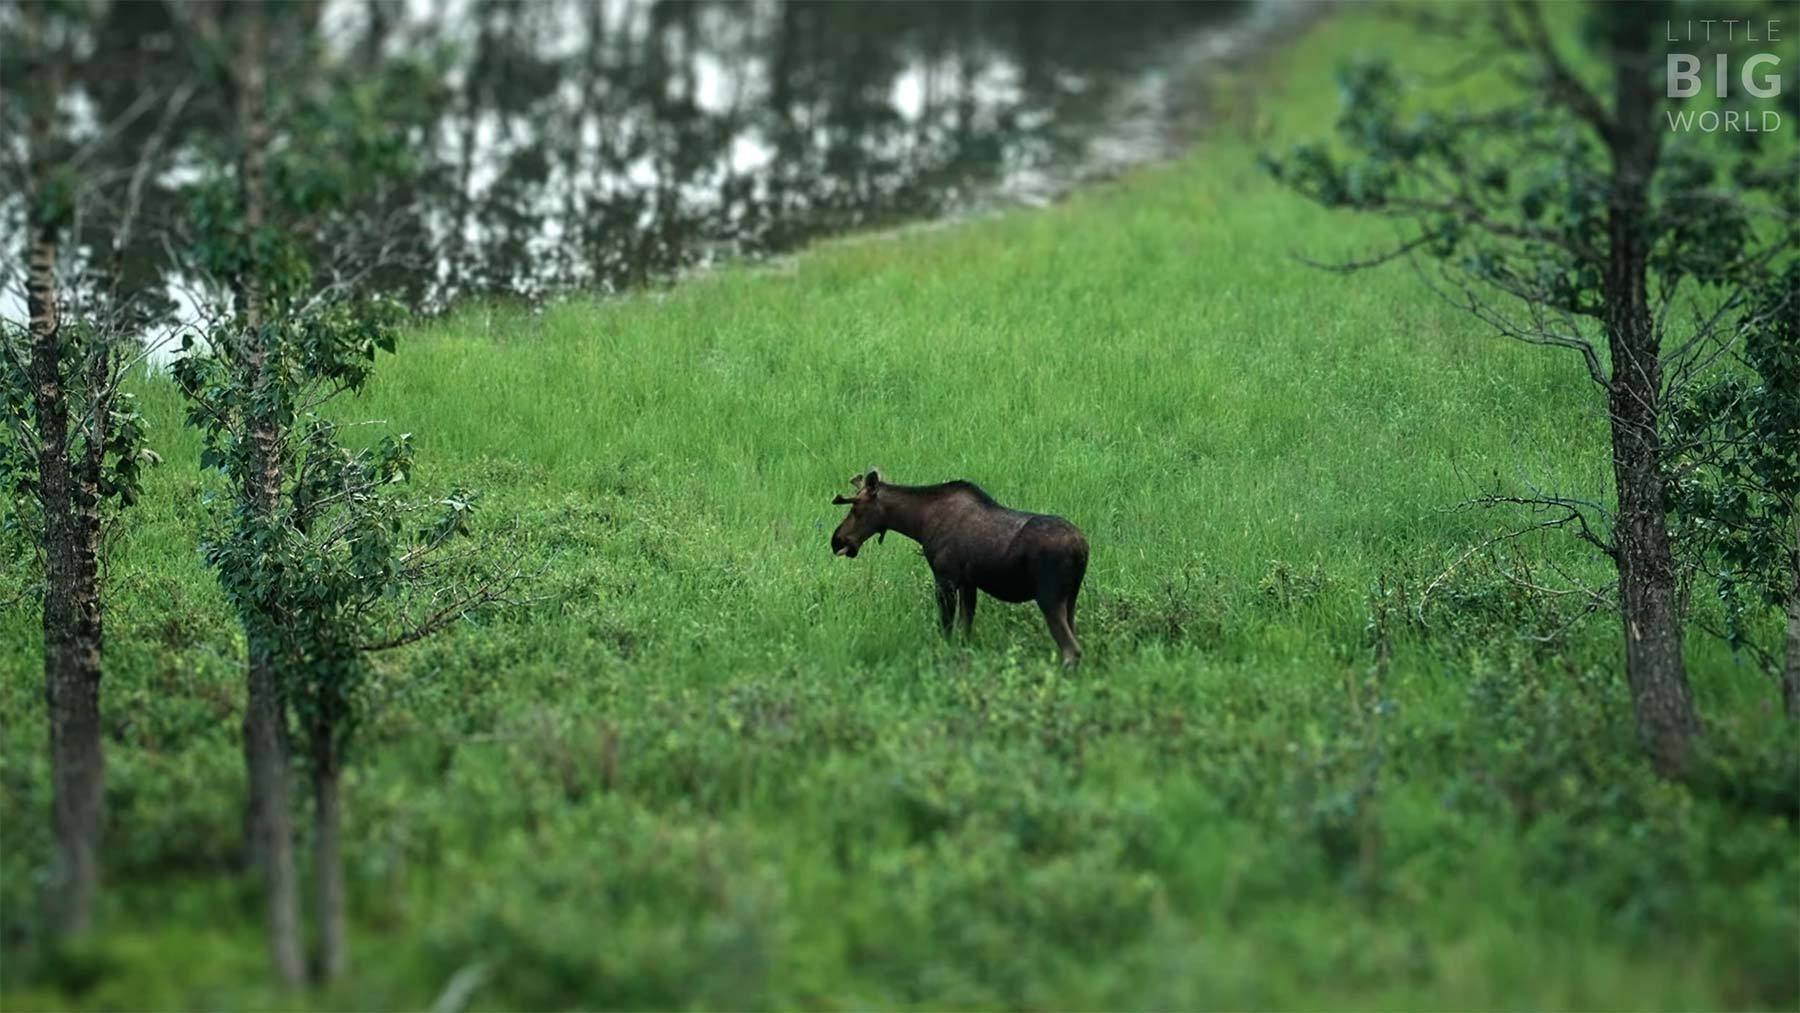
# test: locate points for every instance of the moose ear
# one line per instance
(840, 501)
(856, 481)
(872, 479)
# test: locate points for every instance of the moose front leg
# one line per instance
(946, 599)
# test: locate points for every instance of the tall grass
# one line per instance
(710, 764)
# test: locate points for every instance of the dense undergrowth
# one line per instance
(1311, 758)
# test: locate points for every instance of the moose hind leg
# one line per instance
(946, 601)
(965, 608)
(1056, 617)
(1071, 649)
(1077, 571)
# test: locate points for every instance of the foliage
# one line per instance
(93, 341)
(337, 566)
(1735, 478)
(125, 453)
(1510, 195)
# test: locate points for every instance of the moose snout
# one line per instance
(841, 546)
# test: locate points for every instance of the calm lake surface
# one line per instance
(597, 146)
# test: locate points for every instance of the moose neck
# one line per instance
(907, 512)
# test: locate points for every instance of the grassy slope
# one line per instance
(715, 765)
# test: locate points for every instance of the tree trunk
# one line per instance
(272, 830)
(1790, 673)
(265, 718)
(1666, 719)
(72, 630)
(476, 95)
(380, 23)
(71, 557)
(1664, 704)
(334, 943)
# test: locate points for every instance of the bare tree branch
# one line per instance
(1374, 260)
(1537, 334)
(1564, 85)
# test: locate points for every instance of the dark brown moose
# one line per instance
(973, 543)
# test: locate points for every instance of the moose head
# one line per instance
(868, 516)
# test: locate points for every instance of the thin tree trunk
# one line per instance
(328, 873)
(457, 257)
(1790, 673)
(72, 630)
(475, 91)
(265, 719)
(1661, 698)
(71, 613)
(266, 757)
(576, 175)
(380, 22)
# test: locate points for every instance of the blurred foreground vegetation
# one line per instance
(1319, 755)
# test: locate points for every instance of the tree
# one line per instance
(235, 244)
(322, 562)
(246, 262)
(1569, 215)
(340, 568)
(73, 442)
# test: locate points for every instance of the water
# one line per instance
(601, 146)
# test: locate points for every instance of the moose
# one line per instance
(974, 544)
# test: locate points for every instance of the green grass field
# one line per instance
(711, 765)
